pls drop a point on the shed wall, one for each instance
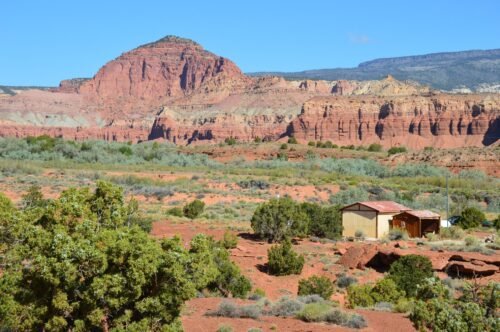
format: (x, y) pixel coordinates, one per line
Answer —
(359, 220)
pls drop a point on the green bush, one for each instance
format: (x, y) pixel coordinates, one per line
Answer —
(257, 139)
(279, 218)
(292, 140)
(471, 217)
(452, 232)
(359, 296)
(328, 145)
(283, 146)
(282, 260)
(386, 290)
(225, 328)
(176, 212)
(230, 309)
(396, 149)
(319, 285)
(126, 150)
(323, 221)
(410, 271)
(230, 240)
(314, 312)
(230, 141)
(344, 281)
(397, 234)
(194, 209)
(311, 143)
(375, 147)
(471, 241)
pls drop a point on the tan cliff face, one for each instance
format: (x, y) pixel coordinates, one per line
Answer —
(175, 90)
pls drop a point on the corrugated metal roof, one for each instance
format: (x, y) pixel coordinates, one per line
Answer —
(384, 206)
(424, 214)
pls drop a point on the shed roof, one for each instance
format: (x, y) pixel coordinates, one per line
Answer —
(382, 206)
(423, 214)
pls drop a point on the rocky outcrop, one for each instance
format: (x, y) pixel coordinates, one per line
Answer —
(155, 73)
(175, 90)
(469, 264)
(416, 121)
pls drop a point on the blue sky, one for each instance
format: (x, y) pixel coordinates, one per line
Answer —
(43, 42)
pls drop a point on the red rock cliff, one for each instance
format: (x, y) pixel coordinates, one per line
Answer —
(416, 121)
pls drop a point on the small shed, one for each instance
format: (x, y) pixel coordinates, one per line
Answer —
(417, 223)
(372, 218)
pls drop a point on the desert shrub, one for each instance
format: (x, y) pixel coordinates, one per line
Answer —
(33, 198)
(313, 298)
(279, 218)
(282, 156)
(282, 260)
(283, 146)
(416, 170)
(292, 140)
(452, 232)
(229, 309)
(432, 288)
(285, 307)
(496, 223)
(438, 315)
(328, 145)
(257, 139)
(176, 212)
(258, 184)
(471, 217)
(410, 271)
(397, 234)
(344, 281)
(126, 150)
(323, 221)
(359, 234)
(314, 312)
(386, 290)
(318, 285)
(225, 328)
(375, 147)
(230, 240)
(257, 294)
(194, 209)
(254, 329)
(359, 296)
(230, 141)
(383, 306)
(471, 241)
(348, 196)
(396, 149)
(311, 143)
(404, 305)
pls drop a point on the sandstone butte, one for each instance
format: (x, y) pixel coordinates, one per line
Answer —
(174, 90)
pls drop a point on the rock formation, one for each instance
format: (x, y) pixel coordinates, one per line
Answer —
(175, 90)
(416, 121)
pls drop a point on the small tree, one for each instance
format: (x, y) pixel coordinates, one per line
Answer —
(410, 271)
(311, 143)
(324, 221)
(319, 285)
(283, 146)
(292, 140)
(471, 217)
(193, 209)
(282, 260)
(278, 219)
